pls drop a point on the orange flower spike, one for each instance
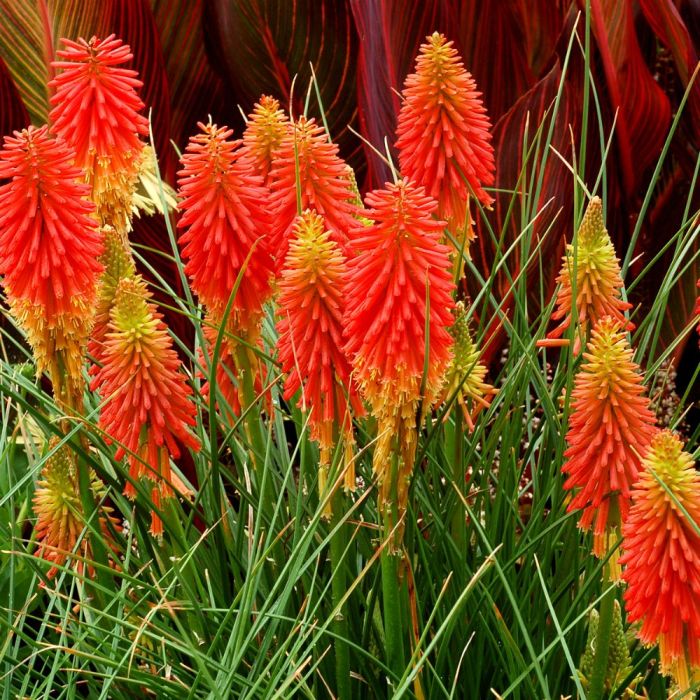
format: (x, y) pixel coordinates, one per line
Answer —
(610, 429)
(399, 264)
(598, 281)
(59, 511)
(225, 216)
(311, 303)
(395, 259)
(263, 135)
(662, 558)
(146, 400)
(323, 184)
(49, 248)
(444, 133)
(97, 110)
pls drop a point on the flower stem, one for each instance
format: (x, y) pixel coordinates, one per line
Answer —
(391, 583)
(339, 588)
(605, 621)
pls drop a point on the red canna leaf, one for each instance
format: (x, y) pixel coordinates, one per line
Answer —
(644, 109)
(13, 115)
(261, 45)
(668, 25)
(195, 89)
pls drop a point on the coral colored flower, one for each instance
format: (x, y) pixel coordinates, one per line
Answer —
(49, 248)
(311, 302)
(225, 217)
(146, 399)
(444, 133)
(610, 429)
(263, 135)
(598, 281)
(466, 375)
(97, 111)
(662, 558)
(60, 515)
(399, 266)
(323, 185)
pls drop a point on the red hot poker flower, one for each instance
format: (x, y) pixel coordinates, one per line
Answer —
(444, 133)
(598, 281)
(311, 301)
(325, 185)
(59, 510)
(610, 429)
(147, 407)
(399, 268)
(97, 110)
(662, 558)
(49, 248)
(225, 217)
(263, 135)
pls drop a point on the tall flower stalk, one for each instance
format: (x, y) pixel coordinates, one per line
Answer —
(399, 309)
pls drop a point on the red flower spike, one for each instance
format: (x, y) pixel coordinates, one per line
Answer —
(324, 185)
(225, 217)
(444, 133)
(598, 281)
(610, 429)
(263, 135)
(399, 265)
(146, 400)
(49, 248)
(396, 259)
(311, 303)
(662, 558)
(97, 110)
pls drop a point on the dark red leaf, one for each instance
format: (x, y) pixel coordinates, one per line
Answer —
(668, 25)
(195, 89)
(261, 45)
(644, 109)
(13, 115)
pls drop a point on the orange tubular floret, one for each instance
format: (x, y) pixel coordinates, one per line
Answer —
(97, 110)
(147, 409)
(324, 185)
(312, 300)
(662, 558)
(226, 222)
(263, 135)
(610, 429)
(444, 133)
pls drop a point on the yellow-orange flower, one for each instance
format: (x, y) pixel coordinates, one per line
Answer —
(97, 111)
(263, 135)
(60, 515)
(444, 134)
(662, 558)
(146, 408)
(400, 274)
(610, 429)
(592, 263)
(308, 171)
(311, 304)
(49, 248)
(467, 374)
